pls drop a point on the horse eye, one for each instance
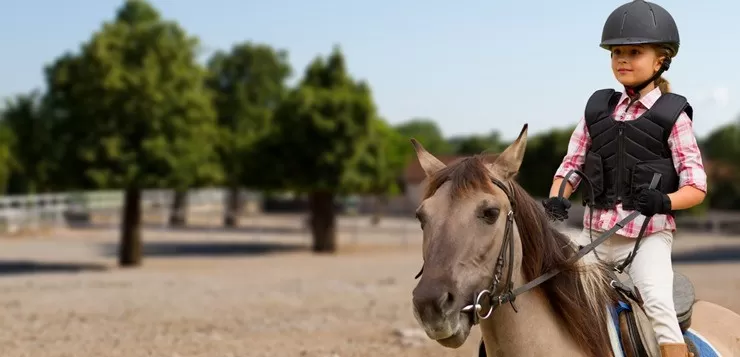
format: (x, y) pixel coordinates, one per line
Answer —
(420, 218)
(489, 214)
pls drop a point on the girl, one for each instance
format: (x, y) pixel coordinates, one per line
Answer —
(622, 140)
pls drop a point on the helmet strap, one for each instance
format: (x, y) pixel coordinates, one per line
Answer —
(634, 91)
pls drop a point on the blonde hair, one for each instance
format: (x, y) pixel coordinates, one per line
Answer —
(661, 82)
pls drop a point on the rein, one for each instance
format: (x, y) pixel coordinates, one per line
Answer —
(507, 294)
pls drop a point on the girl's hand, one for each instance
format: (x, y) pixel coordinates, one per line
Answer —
(556, 208)
(650, 202)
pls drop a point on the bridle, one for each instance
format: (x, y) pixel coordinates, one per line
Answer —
(505, 294)
(508, 295)
(507, 246)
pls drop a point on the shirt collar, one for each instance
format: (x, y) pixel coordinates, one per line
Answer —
(648, 100)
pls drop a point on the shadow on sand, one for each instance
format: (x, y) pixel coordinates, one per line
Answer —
(253, 228)
(184, 249)
(18, 267)
(200, 229)
(709, 255)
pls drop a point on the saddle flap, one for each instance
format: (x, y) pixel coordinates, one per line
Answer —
(645, 330)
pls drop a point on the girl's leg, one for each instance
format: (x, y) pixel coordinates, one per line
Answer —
(652, 274)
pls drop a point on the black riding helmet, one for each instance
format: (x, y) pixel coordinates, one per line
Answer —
(641, 22)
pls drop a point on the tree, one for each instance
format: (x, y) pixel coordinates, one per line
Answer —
(723, 145)
(319, 131)
(476, 144)
(721, 149)
(7, 162)
(379, 165)
(134, 111)
(545, 152)
(394, 148)
(249, 83)
(426, 131)
(380, 159)
(33, 147)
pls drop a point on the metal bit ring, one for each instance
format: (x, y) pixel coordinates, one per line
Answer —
(477, 303)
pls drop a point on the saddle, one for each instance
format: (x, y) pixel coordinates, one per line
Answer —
(635, 330)
(636, 333)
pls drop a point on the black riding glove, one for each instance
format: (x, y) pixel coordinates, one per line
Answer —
(651, 201)
(556, 208)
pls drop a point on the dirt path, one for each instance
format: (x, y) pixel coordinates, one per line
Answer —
(238, 300)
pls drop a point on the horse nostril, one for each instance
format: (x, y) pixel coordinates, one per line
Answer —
(432, 299)
(447, 300)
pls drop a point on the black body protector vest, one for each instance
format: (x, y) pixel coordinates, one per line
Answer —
(624, 155)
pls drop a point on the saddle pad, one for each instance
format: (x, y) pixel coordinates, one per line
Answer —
(614, 311)
(703, 347)
(614, 334)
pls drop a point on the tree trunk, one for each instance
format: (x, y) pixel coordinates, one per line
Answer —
(231, 216)
(178, 214)
(323, 221)
(131, 245)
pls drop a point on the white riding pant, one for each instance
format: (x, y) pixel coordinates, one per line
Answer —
(651, 272)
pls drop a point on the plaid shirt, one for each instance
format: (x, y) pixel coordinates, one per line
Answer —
(686, 159)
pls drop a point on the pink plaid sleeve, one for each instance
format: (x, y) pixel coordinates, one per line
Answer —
(686, 155)
(576, 154)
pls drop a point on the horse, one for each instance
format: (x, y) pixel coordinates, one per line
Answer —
(475, 220)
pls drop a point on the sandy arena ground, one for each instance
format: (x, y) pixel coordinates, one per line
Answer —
(248, 292)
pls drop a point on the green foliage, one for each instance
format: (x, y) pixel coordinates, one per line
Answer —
(379, 163)
(545, 152)
(723, 145)
(477, 144)
(724, 193)
(31, 145)
(721, 148)
(320, 129)
(395, 149)
(249, 84)
(133, 106)
(428, 133)
(8, 163)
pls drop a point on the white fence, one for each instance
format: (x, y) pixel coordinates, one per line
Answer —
(44, 211)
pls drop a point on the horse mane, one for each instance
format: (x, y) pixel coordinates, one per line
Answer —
(579, 294)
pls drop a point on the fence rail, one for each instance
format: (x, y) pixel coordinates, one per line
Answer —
(49, 211)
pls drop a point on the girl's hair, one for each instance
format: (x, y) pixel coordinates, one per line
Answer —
(661, 82)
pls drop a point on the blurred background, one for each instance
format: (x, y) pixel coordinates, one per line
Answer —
(235, 178)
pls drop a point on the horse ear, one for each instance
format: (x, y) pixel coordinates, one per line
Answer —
(508, 163)
(428, 162)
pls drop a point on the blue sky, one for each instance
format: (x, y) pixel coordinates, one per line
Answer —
(473, 67)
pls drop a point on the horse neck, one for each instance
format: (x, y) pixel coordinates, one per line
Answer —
(533, 331)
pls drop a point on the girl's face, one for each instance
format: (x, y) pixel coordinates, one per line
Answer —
(634, 64)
